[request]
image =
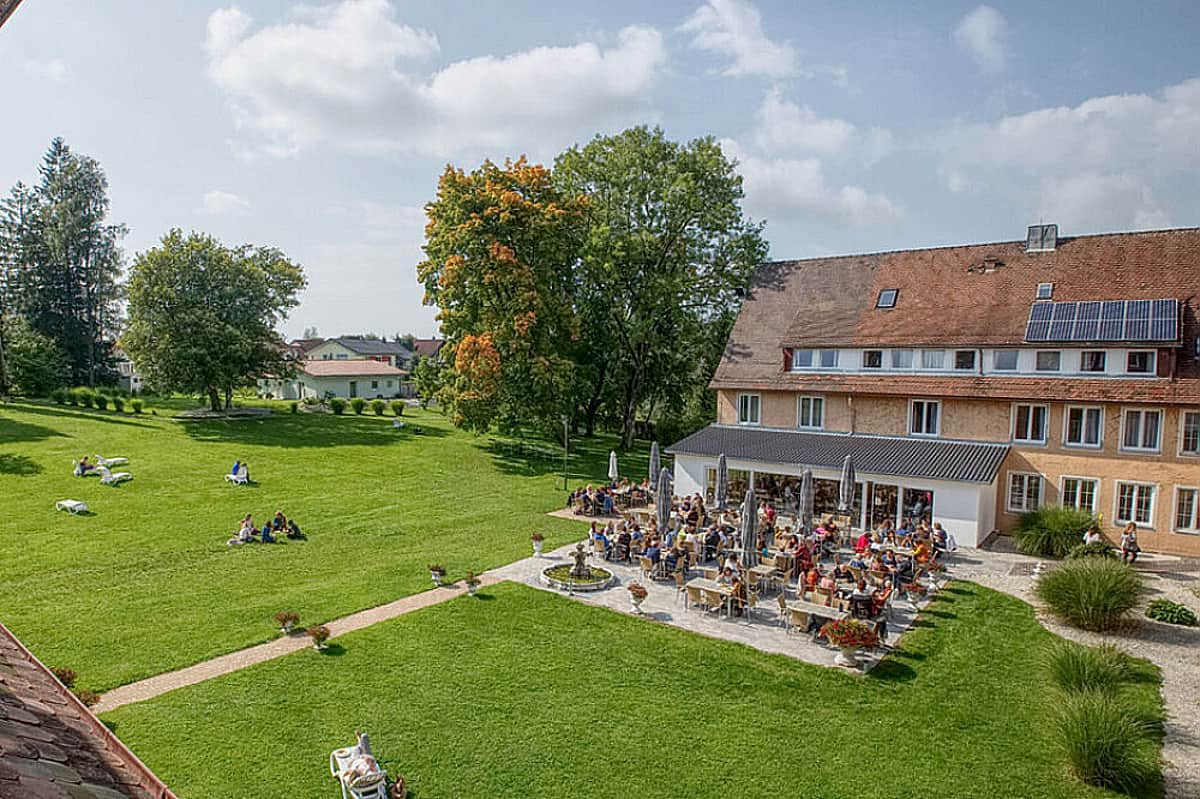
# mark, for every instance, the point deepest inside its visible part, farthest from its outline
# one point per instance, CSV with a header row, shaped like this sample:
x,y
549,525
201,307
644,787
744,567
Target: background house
x,y
370,379
429,348
349,348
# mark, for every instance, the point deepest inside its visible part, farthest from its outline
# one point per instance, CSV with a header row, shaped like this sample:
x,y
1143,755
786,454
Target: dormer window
x,y
887,298
1045,291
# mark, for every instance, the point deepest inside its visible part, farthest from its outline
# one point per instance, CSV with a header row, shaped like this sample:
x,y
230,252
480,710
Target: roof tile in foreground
x,y
930,459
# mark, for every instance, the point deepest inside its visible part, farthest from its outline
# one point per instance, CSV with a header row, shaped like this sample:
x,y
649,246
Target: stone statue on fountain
x,y
580,570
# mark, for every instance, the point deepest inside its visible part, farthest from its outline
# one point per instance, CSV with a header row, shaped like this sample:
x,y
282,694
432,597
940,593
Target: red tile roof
x,y
351,368
970,296
428,347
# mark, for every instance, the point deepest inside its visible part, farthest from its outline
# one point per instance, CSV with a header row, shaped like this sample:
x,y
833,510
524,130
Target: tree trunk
x,y
228,397
633,393
214,399
593,406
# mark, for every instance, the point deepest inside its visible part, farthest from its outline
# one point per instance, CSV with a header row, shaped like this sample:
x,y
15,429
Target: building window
x,y
1185,510
902,359
1029,423
811,413
887,298
1135,503
964,359
1049,361
1092,361
1142,430
932,359
802,359
749,408
1080,493
872,359
1190,433
1140,363
1024,492
1083,427
341,356
829,359
1004,360
1045,291
924,417
389,384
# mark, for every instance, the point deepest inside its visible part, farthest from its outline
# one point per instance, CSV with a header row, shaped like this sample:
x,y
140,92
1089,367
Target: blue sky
x,y
321,128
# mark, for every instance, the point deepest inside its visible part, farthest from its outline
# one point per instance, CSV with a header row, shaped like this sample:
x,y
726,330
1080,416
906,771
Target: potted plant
x,y
637,595
319,635
849,636
437,571
538,541
472,582
287,620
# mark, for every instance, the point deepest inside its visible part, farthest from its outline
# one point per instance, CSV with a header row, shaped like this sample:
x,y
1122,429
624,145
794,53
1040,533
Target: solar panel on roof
x,y
1063,320
1164,320
1087,322
1110,320
1137,320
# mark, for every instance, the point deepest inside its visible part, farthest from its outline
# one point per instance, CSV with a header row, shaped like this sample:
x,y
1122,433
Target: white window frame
x,y
1045,291
892,358
1143,411
1084,353
812,362
1008,503
1045,423
929,357
1183,414
813,399
821,359
1067,426
757,422
1037,367
912,404
1152,371
1062,490
1195,528
1117,502
887,298
996,360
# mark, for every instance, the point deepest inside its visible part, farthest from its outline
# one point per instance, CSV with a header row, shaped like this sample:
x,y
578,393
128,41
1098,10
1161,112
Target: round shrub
x,y
86,397
1098,550
1074,667
1104,742
1051,531
295,406
358,404
397,407
101,402
59,395
118,404
137,405
337,405
1171,613
72,397
1091,593
378,406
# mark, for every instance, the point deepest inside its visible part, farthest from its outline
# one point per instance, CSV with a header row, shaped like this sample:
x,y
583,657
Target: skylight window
x,y
887,298
1045,291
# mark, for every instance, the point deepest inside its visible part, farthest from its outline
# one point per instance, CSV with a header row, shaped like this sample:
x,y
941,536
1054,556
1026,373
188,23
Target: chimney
x,y
1041,238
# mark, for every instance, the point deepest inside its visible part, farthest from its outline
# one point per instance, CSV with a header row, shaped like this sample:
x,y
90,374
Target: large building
x,y
971,384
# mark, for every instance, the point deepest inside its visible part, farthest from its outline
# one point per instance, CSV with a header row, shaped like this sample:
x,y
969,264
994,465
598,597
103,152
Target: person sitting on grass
x,y
84,467
279,522
245,534
267,538
293,530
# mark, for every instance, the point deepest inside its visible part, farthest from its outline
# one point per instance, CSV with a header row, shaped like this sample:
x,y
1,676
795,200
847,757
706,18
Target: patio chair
x,y
713,600
680,586
370,786
799,620
110,462
711,574
647,566
784,617
822,596
599,549
693,597
239,478
110,478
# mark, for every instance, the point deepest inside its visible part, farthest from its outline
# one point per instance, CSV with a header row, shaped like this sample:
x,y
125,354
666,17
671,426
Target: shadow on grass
x,y
66,412
950,589
13,432
304,431
939,614
18,465
334,650
587,461
892,670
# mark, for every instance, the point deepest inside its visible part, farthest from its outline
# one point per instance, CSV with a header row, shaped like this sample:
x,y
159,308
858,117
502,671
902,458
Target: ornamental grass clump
x,y
1104,743
378,406
1091,593
337,405
1074,667
1051,531
358,404
397,407
1098,550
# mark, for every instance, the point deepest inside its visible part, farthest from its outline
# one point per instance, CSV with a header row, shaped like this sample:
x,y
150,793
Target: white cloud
x,y
346,74
983,35
1092,201
786,127
218,202
55,69
734,29
786,188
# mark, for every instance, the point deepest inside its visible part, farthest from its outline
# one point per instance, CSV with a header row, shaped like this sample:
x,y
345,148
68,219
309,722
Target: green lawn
x,y
523,693
146,584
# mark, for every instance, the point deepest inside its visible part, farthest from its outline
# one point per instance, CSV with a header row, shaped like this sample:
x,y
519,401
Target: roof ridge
x,y
852,434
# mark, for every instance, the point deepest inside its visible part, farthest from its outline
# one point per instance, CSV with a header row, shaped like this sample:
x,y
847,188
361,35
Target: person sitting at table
x,y
861,601
862,543
812,578
653,551
624,545
676,559
940,538
903,573
858,560
712,537
841,572
888,560
669,535
593,531
922,552
725,577
879,599
827,582
635,532
737,595
606,502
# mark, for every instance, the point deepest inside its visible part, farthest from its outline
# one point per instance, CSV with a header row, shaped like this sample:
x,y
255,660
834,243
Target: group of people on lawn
x,y
272,529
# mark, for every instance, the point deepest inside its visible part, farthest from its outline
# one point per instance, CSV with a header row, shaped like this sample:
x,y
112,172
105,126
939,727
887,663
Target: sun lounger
x,y
238,478
370,786
110,478
110,462
71,506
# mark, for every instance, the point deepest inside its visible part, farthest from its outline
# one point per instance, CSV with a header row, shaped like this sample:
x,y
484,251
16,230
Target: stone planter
x,y
846,657
286,629
537,548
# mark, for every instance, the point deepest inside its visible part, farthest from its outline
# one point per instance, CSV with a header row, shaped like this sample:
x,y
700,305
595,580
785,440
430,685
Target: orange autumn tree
x,y
500,248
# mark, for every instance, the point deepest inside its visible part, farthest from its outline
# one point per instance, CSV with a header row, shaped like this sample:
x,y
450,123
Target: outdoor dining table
x,y
812,608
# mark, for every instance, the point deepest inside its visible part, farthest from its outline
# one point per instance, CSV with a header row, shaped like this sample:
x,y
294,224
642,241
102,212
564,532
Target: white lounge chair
x,y
110,478
110,462
71,506
240,478
371,786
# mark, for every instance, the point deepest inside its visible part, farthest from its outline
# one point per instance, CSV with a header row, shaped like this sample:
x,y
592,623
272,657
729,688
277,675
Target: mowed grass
x,y
146,583
523,693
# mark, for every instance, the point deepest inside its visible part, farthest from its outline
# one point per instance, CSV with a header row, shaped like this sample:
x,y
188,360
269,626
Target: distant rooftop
x,y
373,346
351,368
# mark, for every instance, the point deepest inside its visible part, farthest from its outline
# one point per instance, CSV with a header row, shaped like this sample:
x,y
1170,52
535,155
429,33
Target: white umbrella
x,y
722,492
663,499
750,529
613,474
846,487
806,500
654,464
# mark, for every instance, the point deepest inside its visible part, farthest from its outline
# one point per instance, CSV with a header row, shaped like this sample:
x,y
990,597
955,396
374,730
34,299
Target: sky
x,y
321,128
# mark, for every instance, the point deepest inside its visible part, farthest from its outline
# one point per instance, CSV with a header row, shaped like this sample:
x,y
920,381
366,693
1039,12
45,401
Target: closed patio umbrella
x,y
806,500
613,474
655,467
750,529
722,492
846,487
662,499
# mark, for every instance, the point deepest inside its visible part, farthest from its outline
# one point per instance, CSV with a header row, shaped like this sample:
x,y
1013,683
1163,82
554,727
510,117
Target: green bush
x,y
379,406
311,402
337,405
358,404
1105,743
397,407
1098,550
1074,667
86,396
72,397
118,404
1051,531
137,405
1091,593
101,402
295,406
59,395
1171,613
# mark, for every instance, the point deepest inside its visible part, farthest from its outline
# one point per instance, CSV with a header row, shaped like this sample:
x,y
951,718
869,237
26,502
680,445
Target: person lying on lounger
x,y
83,467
